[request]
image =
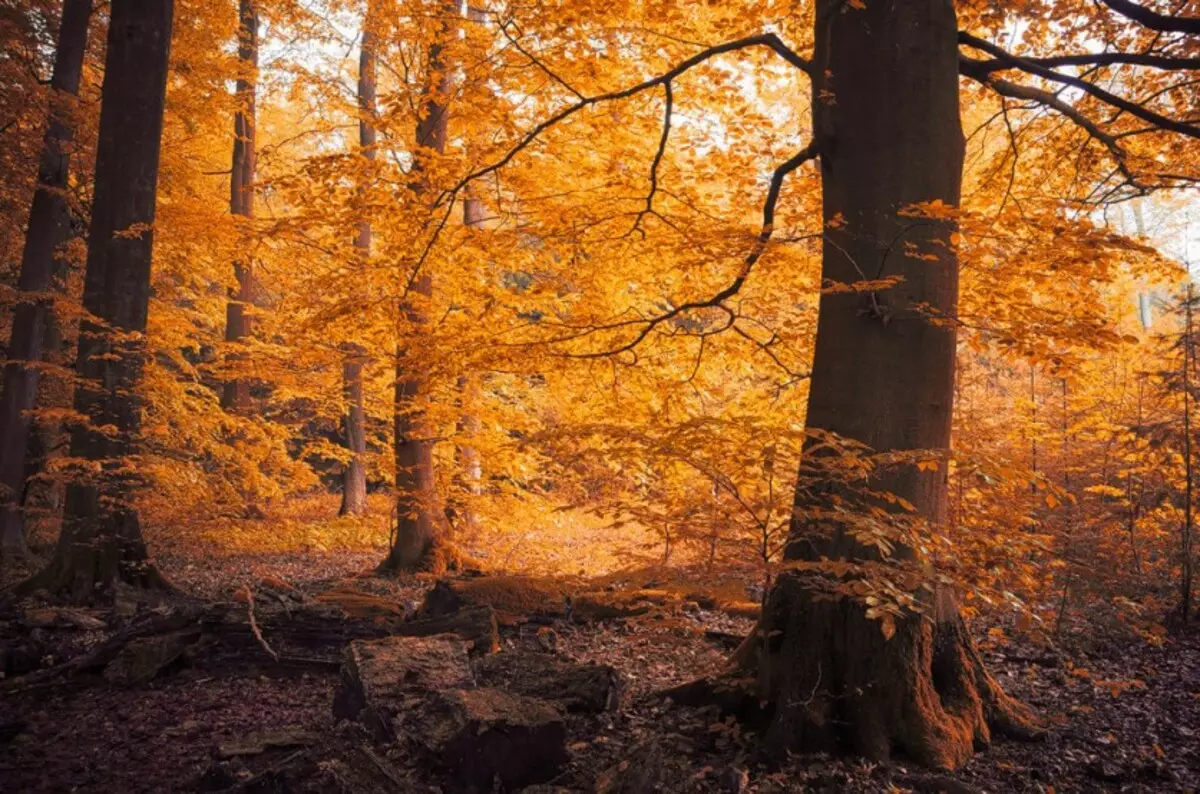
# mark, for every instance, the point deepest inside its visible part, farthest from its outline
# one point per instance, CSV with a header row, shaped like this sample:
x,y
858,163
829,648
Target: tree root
x,y
832,681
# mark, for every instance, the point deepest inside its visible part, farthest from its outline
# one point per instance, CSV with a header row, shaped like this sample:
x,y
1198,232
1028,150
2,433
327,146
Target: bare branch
x,y
1017,91
1154,20
1166,62
1091,89
769,40
658,156
534,60
801,157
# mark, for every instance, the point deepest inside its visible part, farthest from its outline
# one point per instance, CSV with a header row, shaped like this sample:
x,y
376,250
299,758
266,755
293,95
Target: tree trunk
x,y
354,476
418,517
886,119
238,319
49,228
101,539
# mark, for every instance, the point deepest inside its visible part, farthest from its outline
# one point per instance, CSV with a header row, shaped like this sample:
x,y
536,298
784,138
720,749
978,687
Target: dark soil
x,y
1125,716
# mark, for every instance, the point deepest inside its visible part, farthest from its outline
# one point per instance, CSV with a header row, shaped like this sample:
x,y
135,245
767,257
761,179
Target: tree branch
x,y
1026,92
1095,91
1165,62
801,157
658,156
1154,20
769,40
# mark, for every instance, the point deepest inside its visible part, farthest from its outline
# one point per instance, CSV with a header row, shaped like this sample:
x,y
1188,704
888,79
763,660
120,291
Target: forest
x,y
576,397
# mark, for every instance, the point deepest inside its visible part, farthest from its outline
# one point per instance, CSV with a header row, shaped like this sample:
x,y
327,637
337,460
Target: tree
x,y
354,476
861,645
886,120
101,540
49,228
239,322
418,516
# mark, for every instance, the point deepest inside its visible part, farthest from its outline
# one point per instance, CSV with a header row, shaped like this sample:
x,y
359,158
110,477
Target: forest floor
x,y
1124,715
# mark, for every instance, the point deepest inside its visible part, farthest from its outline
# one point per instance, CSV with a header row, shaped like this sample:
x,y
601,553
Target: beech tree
x,y
239,322
101,541
354,476
48,228
845,655
419,521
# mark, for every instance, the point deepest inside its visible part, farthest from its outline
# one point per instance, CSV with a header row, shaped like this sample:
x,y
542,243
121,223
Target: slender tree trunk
x,y
101,539
239,322
354,477
887,123
1185,538
419,519
469,463
49,228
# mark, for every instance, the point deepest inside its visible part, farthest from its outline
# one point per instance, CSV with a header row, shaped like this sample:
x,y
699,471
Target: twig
x,y
254,624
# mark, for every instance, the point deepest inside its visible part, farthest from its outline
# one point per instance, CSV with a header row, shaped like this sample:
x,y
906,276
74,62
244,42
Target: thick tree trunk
x,y
354,476
887,122
419,519
101,539
49,228
238,314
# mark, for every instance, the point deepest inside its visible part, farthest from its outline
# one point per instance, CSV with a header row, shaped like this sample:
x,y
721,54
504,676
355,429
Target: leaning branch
x,y
1132,108
769,40
1152,19
448,196
1005,88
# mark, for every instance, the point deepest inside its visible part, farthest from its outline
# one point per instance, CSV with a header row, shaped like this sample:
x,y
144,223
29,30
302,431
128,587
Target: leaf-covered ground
x,y
1124,715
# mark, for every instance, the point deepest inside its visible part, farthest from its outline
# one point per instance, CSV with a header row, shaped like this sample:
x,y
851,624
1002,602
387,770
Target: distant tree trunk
x,y
1185,537
238,320
49,228
418,517
886,118
354,477
469,463
101,539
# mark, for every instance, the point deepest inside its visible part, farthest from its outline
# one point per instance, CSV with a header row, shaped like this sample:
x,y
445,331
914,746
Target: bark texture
x,y
101,539
239,322
886,117
49,227
419,519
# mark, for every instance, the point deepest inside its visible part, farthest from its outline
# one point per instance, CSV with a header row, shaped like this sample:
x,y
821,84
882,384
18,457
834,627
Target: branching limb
x,y
1154,20
658,156
1025,65
769,40
1017,91
648,324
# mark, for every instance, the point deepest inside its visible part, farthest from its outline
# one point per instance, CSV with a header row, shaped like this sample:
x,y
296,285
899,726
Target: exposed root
x,y
439,557
834,682
90,572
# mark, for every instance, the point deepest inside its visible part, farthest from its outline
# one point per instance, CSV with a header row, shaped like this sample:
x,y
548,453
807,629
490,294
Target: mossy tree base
x,y
88,569
834,682
437,556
